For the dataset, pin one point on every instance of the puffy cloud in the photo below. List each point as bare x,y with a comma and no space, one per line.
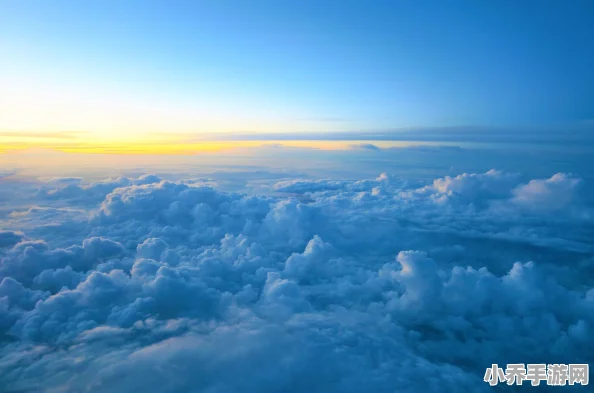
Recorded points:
298,186
152,248
476,188
315,263
73,189
552,194
9,238
366,285
53,280
27,259
281,298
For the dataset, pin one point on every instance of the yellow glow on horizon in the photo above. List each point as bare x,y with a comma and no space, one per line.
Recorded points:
162,147
171,148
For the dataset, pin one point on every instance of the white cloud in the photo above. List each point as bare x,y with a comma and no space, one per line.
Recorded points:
369,285
553,194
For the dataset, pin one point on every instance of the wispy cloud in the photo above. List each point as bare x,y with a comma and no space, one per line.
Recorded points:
42,135
365,146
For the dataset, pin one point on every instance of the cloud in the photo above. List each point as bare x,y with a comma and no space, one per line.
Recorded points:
72,190
27,259
9,238
572,133
476,187
4,174
366,146
553,194
365,285
42,135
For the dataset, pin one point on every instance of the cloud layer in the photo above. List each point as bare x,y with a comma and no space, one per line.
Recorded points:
386,284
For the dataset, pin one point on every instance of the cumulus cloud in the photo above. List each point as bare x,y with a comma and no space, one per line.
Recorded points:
554,194
72,188
476,187
365,285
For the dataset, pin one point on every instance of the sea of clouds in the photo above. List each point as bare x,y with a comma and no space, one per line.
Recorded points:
386,284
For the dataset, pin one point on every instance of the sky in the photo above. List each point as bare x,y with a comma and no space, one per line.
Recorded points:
112,71
295,196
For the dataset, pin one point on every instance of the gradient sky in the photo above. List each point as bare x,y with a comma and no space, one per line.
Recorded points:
130,68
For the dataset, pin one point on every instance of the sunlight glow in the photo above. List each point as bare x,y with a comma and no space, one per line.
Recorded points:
8,145
41,109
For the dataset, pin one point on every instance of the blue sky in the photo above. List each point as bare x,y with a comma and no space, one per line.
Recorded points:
276,66
210,196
